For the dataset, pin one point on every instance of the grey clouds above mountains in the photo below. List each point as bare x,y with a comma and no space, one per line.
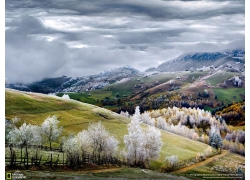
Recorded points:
77,37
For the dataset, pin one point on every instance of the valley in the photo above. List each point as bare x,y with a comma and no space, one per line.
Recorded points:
199,112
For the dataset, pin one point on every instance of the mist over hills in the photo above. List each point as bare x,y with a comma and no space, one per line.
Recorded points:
233,59
77,84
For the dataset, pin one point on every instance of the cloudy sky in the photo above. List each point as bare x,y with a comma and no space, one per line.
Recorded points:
45,38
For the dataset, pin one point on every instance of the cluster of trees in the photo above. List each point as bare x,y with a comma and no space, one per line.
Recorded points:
195,124
198,100
96,143
190,121
233,114
236,136
235,142
27,134
153,102
234,147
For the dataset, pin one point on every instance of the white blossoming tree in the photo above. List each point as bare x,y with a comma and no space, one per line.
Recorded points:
50,130
24,136
141,146
95,141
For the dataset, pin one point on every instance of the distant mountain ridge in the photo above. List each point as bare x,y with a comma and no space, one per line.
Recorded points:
77,84
200,59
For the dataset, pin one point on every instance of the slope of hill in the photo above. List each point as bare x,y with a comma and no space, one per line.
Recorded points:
75,116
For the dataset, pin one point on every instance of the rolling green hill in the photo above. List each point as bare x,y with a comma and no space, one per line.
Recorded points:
75,116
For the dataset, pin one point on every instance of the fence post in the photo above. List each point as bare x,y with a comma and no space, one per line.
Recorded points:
63,157
50,159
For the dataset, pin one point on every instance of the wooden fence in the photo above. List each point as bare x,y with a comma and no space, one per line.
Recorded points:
54,160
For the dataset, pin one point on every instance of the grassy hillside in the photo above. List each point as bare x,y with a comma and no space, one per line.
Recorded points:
230,95
75,116
220,77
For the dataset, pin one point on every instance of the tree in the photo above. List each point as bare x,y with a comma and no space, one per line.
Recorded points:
161,123
141,146
126,114
153,143
215,139
9,125
216,97
50,130
172,160
72,149
145,117
96,140
101,142
84,143
65,96
24,136
237,81
134,141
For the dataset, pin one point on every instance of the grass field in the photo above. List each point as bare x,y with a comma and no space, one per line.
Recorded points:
94,97
220,77
75,116
229,95
208,108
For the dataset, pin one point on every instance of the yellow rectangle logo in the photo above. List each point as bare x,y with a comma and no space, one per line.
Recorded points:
8,176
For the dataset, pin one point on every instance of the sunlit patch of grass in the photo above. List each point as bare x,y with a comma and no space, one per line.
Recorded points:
229,95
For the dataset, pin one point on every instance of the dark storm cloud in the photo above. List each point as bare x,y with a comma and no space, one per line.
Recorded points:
79,37
152,8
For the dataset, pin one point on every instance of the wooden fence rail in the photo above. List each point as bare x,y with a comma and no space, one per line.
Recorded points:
42,147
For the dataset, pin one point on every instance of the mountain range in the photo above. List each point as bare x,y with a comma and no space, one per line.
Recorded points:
233,60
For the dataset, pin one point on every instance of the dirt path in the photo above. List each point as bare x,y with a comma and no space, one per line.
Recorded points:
202,163
102,170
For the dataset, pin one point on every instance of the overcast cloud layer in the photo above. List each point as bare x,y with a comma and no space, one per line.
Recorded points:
47,38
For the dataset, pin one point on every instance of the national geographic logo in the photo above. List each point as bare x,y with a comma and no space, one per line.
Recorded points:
15,175
8,176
